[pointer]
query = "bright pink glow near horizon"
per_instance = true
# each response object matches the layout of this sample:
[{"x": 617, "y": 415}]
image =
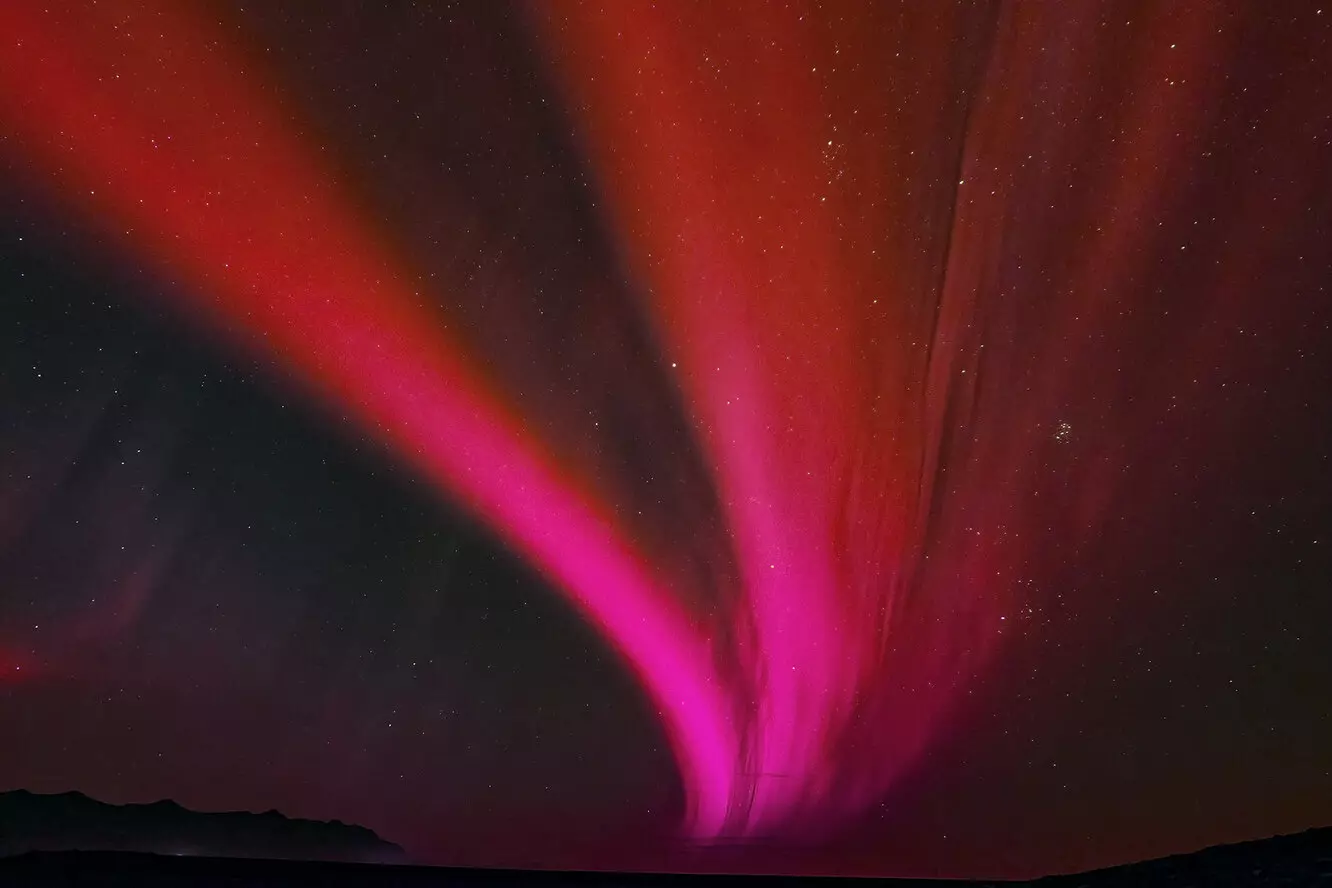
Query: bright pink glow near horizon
[{"x": 792, "y": 292}]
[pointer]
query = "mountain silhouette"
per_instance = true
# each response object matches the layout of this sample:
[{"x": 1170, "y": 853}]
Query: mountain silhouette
[
  {"x": 71, "y": 821},
  {"x": 340, "y": 856}
]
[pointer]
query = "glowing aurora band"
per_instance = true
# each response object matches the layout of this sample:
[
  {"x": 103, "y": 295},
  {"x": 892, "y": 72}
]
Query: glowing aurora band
[{"x": 794, "y": 310}]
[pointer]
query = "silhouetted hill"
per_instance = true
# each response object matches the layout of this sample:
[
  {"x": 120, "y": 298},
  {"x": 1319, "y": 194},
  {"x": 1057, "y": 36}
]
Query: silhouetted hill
[
  {"x": 72, "y": 821},
  {"x": 1295, "y": 860},
  {"x": 1299, "y": 859}
]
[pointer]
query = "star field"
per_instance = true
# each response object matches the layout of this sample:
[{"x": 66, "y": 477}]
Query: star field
[{"x": 872, "y": 438}]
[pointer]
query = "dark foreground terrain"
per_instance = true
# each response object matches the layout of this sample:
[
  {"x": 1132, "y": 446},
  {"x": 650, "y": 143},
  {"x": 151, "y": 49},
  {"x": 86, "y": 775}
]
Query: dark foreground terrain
[
  {"x": 71, "y": 821},
  {"x": 1303, "y": 859}
]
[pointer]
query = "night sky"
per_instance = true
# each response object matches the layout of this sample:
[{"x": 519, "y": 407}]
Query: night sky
[{"x": 872, "y": 437}]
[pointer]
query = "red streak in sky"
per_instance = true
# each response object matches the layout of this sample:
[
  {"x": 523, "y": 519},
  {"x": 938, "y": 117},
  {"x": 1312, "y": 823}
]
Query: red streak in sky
[
  {"x": 991, "y": 321},
  {"x": 147, "y": 121},
  {"x": 763, "y": 199},
  {"x": 751, "y": 170}
]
